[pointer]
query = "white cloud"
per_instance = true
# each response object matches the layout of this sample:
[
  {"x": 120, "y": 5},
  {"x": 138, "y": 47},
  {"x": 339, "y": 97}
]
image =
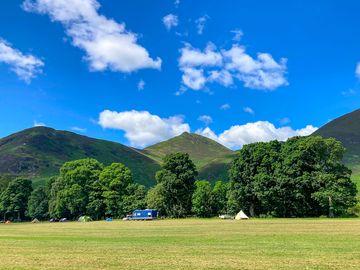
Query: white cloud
[
  {"x": 38, "y": 124},
  {"x": 238, "y": 34},
  {"x": 262, "y": 72},
  {"x": 79, "y": 129},
  {"x": 26, "y": 67},
  {"x": 225, "y": 106},
  {"x": 262, "y": 131},
  {"x": 206, "y": 119},
  {"x": 107, "y": 44},
  {"x": 170, "y": 21},
  {"x": 222, "y": 77},
  {"x": 357, "y": 70},
  {"x": 141, "y": 85},
  {"x": 224, "y": 66},
  {"x": 200, "y": 24},
  {"x": 177, "y": 3},
  {"x": 191, "y": 56},
  {"x": 143, "y": 128},
  {"x": 193, "y": 78},
  {"x": 249, "y": 110}
]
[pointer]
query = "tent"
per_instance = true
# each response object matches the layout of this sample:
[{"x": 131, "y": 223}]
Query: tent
[
  {"x": 63, "y": 220},
  {"x": 85, "y": 219},
  {"x": 241, "y": 215},
  {"x": 35, "y": 220}
]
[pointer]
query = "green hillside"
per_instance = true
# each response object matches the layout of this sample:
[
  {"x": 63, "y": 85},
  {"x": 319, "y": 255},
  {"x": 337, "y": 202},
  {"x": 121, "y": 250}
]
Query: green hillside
[
  {"x": 346, "y": 129},
  {"x": 39, "y": 152},
  {"x": 211, "y": 158}
]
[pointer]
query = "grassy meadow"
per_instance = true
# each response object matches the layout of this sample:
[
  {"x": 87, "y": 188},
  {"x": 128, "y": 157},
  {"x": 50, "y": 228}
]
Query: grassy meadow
[{"x": 183, "y": 244}]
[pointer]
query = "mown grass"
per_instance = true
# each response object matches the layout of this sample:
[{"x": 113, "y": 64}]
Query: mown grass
[{"x": 183, "y": 244}]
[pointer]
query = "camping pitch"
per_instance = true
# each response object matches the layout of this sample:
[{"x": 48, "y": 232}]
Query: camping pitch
[{"x": 241, "y": 215}]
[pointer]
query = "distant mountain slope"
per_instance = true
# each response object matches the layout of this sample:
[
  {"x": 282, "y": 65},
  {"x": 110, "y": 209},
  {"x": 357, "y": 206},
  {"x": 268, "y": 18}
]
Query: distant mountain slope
[
  {"x": 346, "y": 129},
  {"x": 211, "y": 158},
  {"x": 39, "y": 152}
]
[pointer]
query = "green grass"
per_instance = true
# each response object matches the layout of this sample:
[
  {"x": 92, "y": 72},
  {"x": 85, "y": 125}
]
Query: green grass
[{"x": 183, "y": 244}]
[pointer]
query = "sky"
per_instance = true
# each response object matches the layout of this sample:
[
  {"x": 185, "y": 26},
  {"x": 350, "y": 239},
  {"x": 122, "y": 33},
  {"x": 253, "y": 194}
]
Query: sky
[{"x": 139, "y": 72}]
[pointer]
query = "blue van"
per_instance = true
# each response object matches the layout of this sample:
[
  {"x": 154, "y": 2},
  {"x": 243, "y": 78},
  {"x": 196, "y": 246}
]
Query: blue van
[{"x": 147, "y": 214}]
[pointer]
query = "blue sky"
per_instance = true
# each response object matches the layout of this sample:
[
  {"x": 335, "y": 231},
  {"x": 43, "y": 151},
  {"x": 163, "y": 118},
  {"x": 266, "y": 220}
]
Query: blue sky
[{"x": 138, "y": 72}]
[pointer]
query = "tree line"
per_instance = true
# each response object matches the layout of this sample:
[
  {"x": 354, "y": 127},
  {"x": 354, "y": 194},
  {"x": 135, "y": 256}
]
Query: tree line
[{"x": 301, "y": 177}]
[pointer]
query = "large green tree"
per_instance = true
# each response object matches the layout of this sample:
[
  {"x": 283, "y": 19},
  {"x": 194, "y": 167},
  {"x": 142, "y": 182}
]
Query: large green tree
[
  {"x": 301, "y": 177},
  {"x": 202, "y": 199},
  {"x": 87, "y": 187},
  {"x": 71, "y": 190},
  {"x": 14, "y": 199},
  {"x": 38, "y": 205},
  {"x": 176, "y": 180},
  {"x": 220, "y": 197},
  {"x": 251, "y": 180}
]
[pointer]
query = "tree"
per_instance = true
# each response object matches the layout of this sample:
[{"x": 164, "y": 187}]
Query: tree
[
  {"x": 202, "y": 204},
  {"x": 176, "y": 179},
  {"x": 115, "y": 180},
  {"x": 219, "y": 197},
  {"x": 87, "y": 187},
  {"x": 155, "y": 199},
  {"x": 70, "y": 192},
  {"x": 38, "y": 205},
  {"x": 299, "y": 178},
  {"x": 14, "y": 199},
  {"x": 248, "y": 175},
  {"x": 135, "y": 198}
]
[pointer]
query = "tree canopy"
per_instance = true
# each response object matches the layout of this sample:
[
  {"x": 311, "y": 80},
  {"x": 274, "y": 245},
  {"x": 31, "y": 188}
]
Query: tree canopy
[
  {"x": 173, "y": 194},
  {"x": 301, "y": 177},
  {"x": 14, "y": 199}
]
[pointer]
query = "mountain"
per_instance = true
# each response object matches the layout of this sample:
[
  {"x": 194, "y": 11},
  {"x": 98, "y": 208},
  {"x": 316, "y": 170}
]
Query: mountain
[
  {"x": 39, "y": 152},
  {"x": 346, "y": 129},
  {"x": 211, "y": 158}
]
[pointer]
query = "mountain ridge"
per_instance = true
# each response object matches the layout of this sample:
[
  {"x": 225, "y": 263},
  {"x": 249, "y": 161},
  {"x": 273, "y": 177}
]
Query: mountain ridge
[{"x": 39, "y": 152}]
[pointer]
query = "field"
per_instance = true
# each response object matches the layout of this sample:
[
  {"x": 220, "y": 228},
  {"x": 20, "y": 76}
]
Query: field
[{"x": 183, "y": 244}]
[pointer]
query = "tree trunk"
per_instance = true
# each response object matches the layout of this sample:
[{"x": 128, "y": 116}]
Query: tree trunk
[
  {"x": 252, "y": 211},
  {"x": 331, "y": 213}
]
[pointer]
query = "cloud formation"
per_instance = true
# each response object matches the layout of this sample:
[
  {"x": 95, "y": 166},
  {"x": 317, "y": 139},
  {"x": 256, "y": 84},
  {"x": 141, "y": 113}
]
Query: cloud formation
[
  {"x": 26, "y": 67},
  {"x": 225, "y": 106},
  {"x": 212, "y": 65},
  {"x": 261, "y": 131},
  {"x": 143, "y": 128},
  {"x": 107, "y": 44},
  {"x": 357, "y": 70},
  {"x": 170, "y": 21},
  {"x": 141, "y": 85},
  {"x": 38, "y": 124},
  {"x": 200, "y": 24},
  {"x": 206, "y": 119},
  {"x": 249, "y": 110}
]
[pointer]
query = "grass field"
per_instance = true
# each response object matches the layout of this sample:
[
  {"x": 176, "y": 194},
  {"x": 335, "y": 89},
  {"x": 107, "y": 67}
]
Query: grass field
[{"x": 183, "y": 244}]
